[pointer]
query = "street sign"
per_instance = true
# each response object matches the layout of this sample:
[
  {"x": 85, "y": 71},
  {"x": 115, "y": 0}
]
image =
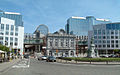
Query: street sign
[{"x": 56, "y": 50}]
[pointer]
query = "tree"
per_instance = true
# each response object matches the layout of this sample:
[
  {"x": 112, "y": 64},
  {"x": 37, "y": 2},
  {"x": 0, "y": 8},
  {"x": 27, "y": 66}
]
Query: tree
[
  {"x": 4, "y": 48},
  {"x": 116, "y": 51}
]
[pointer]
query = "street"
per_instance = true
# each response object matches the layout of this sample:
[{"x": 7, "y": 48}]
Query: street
[{"x": 35, "y": 67}]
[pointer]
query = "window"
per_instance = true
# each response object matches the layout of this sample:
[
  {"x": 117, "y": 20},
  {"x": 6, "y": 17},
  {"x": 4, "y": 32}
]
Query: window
[
  {"x": 99, "y": 46},
  {"x": 103, "y": 31},
  {"x": 112, "y": 37},
  {"x": 72, "y": 39},
  {"x": 108, "y": 46},
  {"x": 99, "y": 31},
  {"x": 11, "y": 43},
  {"x": 11, "y": 38},
  {"x": 112, "y": 32},
  {"x": 108, "y": 37},
  {"x": 112, "y": 46},
  {"x": 99, "y": 37},
  {"x": 95, "y": 41},
  {"x": 1, "y": 42},
  {"x": 56, "y": 42},
  {"x": 112, "y": 41},
  {"x": 67, "y": 43},
  {"x": 16, "y": 34},
  {"x": 1, "y": 38},
  {"x": 62, "y": 41},
  {"x": 12, "y": 27},
  {"x": 6, "y": 38},
  {"x": 104, "y": 46},
  {"x": 16, "y": 39},
  {"x": 72, "y": 44},
  {"x": 7, "y": 33},
  {"x": 95, "y": 37},
  {"x": 108, "y": 32},
  {"x": 116, "y": 41},
  {"x": 95, "y": 32},
  {"x": 2, "y": 26},
  {"x": 2, "y": 33},
  {"x": 104, "y": 41},
  {"x": 7, "y": 27},
  {"x": 99, "y": 41},
  {"x": 108, "y": 41},
  {"x": 50, "y": 43},
  {"x": 116, "y": 37},
  {"x": 16, "y": 44},
  {"x": 116, "y": 32},
  {"x": 11, "y": 33},
  {"x": 72, "y": 53},
  {"x": 117, "y": 46},
  {"x": 95, "y": 45},
  {"x": 16, "y": 28},
  {"x": 104, "y": 37}
]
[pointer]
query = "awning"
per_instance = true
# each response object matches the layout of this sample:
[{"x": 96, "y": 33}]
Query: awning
[{"x": 2, "y": 51}]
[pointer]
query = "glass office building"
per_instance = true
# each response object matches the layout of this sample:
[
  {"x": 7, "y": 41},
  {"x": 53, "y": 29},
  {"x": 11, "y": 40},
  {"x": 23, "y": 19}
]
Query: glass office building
[
  {"x": 106, "y": 37},
  {"x": 13, "y": 16},
  {"x": 80, "y": 26}
]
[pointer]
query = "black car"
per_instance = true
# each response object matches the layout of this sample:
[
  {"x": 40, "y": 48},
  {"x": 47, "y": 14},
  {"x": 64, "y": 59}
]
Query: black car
[
  {"x": 51, "y": 59},
  {"x": 26, "y": 56}
]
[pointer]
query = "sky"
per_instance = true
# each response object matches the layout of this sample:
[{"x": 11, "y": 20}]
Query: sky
[{"x": 54, "y": 13}]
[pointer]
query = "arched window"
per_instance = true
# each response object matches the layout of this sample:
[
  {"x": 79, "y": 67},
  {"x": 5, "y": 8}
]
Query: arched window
[
  {"x": 50, "y": 53},
  {"x": 72, "y": 53},
  {"x": 66, "y": 53}
]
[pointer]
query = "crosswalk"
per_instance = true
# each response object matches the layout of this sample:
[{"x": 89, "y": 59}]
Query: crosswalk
[{"x": 24, "y": 63}]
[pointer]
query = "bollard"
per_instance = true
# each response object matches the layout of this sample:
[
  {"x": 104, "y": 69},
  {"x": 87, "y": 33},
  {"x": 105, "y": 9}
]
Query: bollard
[
  {"x": 107, "y": 62},
  {"x": 90, "y": 62}
]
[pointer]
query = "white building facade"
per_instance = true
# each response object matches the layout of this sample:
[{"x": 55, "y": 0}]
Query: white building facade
[
  {"x": 106, "y": 38},
  {"x": 11, "y": 35},
  {"x": 61, "y": 44}
]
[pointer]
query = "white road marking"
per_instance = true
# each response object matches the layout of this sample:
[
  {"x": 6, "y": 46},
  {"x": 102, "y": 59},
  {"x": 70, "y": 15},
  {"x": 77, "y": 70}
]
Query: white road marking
[{"x": 23, "y": 64}]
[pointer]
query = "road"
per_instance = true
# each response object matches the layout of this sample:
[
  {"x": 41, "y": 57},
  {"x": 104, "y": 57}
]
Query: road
[{"x": 35, "y": 67}]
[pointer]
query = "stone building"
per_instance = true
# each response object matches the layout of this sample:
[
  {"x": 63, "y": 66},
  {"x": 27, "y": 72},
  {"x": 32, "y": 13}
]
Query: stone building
[{"x": 60, "y": 44}]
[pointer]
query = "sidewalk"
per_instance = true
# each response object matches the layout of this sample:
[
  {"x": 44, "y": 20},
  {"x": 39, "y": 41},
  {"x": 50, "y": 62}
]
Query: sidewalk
[{"x": 6, "y": 65}]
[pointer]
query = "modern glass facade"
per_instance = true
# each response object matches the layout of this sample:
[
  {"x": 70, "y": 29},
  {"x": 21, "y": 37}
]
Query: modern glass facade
[
  {"x": 43, "y": 29},
  {"x": 13, "y": 16},
  {"x": 80, "y": 26}
]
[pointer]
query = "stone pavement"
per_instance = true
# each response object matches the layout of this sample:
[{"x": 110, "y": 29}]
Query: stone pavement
[{"x": 6, "y": 65}]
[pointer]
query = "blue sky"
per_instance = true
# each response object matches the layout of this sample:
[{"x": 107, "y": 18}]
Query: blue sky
[{"x": 54, "y": 13}]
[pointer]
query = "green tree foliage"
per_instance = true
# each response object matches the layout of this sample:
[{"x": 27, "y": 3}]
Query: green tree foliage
[{"x": 4, "y": 48}]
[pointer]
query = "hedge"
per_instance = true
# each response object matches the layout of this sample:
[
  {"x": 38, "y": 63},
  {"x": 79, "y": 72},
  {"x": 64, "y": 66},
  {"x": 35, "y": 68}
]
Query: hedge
[{"x": 91, "y": 59}]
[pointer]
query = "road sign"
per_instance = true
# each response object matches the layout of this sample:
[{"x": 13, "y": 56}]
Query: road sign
[{"x": 56, "y": 50}]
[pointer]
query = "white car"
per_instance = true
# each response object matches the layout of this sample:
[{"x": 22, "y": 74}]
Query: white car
[{"x": 42, "y": 58}]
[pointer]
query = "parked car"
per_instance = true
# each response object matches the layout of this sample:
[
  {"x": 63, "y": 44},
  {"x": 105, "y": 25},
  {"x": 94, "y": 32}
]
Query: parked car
[
  {"x": 42, "y": 58},
  {"x": 26, "y": 56},
  {"x": 114, "y": 56},
  {"x": 104, "y": 56},
  {"x": 51, "y": 59}
]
